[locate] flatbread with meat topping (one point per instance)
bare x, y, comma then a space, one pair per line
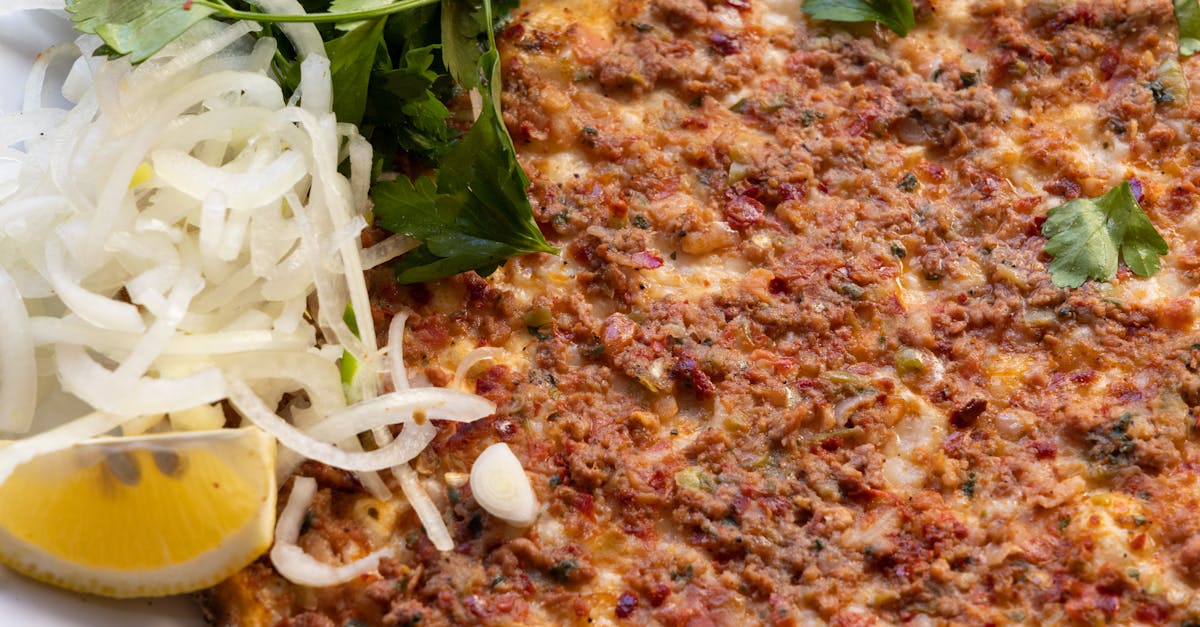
801, 360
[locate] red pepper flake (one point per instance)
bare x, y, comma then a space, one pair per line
491, 380
516, 31
648, 260
741, 5
1065, 187
585, 504
1083, 376
658, 594
626, 604
1076, 15
724, 44
1043, 449
658, 481
792, 191
966, 415
1109, 63
1151, 613
742, 212
1026, 204
1139, 542
505, 428
690, 373
187, 6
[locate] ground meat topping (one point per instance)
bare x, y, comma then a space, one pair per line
801, 361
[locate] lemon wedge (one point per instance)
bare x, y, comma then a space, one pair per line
141, 516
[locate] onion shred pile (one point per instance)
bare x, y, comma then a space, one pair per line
185, 235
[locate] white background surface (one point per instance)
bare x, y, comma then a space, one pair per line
24, 602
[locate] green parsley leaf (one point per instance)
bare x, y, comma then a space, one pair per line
476, 214
1187, 16
463, 24
351, 58
416, 28
1085, 237
402, 101
894, 14
474, 217
138, 28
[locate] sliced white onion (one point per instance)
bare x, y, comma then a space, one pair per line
159, 334
104, 390
360, 153
299, 567
427, 512
483, 353
395, 351
318, 376
317, 94
252, 88
332, 304
392, 454
847, 406
183, 54
500, 486
18, 370
78, 78
96, 309
241, 191
400, 406
334, 192
35, 84
387, 250
47, 330
304, 36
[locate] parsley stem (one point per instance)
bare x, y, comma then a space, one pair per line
348, 16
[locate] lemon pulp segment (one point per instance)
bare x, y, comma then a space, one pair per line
176, 508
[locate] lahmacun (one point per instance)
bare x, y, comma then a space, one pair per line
801, 360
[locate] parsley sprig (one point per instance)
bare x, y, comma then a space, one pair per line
1086, 236
897, 15
478, 178
394, 65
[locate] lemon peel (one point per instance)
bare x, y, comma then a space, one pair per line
141, 516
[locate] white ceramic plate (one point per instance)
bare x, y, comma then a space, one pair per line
24, 602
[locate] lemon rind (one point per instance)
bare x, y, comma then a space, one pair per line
200, 572
234, 553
